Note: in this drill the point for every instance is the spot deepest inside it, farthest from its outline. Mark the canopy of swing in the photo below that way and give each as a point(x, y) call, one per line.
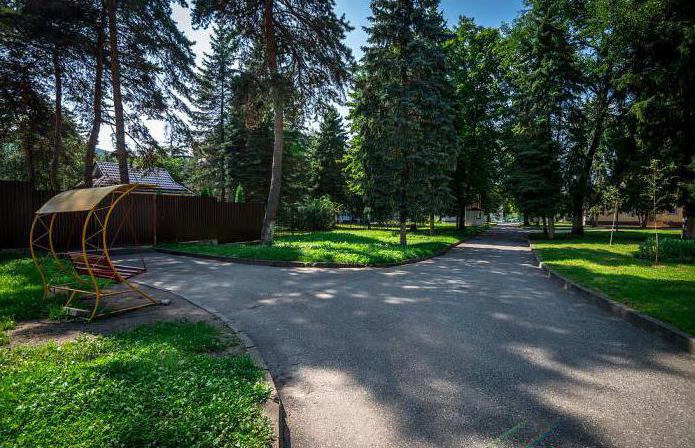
point(80, 200)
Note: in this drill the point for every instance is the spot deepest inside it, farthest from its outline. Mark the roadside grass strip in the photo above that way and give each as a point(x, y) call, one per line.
point(665, 291)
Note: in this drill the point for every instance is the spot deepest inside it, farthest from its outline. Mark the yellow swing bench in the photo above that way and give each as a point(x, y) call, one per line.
point(90, 269)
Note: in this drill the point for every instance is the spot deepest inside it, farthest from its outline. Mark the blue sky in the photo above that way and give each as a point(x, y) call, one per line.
point(485, 12)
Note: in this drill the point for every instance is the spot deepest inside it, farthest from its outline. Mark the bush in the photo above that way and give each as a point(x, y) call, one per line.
point(314, 214)
point(670, 249)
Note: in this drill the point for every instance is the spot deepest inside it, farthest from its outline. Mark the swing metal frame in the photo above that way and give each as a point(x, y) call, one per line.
point(87, 267)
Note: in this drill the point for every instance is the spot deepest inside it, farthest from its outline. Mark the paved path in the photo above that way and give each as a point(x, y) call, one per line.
point(472, 349)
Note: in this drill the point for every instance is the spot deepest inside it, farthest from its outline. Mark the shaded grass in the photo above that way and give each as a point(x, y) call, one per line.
point(362, 247)
point(157, 385)
point(21, 290)
point(666, 292)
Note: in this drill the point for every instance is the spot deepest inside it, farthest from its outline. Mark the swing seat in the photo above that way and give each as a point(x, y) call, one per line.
point(101, 267)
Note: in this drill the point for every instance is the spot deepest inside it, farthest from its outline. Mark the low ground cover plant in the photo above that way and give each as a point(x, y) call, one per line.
point(164, 385)
point(670, 249)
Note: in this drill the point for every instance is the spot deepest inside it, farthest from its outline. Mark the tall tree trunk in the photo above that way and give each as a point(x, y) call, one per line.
point(121, 153)
point(96, 118)
point(689, 223)
point(551, 227)
point(526, 221)
point(28, 150)
point(431, 224)
point(58, 126)
point(582, 185)
point(278, 125)
point(402, 218)
point(545, 225)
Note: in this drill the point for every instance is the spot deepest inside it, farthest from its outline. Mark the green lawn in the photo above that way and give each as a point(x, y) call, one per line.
point(666, 292)
point(363, 247)
point(161, 385)
point(21, 290)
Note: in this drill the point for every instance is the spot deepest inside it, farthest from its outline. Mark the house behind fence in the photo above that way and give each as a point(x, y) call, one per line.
point(154, 218)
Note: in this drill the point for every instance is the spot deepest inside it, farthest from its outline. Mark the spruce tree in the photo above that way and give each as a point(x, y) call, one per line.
point(544, 77)
point(215, 121)
point(328, 152)
point(403, 111)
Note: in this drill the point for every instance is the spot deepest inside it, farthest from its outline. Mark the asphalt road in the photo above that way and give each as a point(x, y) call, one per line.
point(473, 349)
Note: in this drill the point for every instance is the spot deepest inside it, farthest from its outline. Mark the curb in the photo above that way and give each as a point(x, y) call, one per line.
point(674, 336)
point(316, 264)
point(273, 407)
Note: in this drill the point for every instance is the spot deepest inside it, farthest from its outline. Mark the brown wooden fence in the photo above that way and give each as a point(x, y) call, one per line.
point(154, 218)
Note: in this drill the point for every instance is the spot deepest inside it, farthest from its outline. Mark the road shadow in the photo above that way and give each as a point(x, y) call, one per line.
point(476, 348)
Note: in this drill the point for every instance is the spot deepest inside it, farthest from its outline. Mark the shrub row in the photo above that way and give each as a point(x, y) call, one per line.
point(670, 249)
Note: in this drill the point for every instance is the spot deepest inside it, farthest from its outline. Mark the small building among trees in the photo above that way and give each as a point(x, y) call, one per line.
point(106, 173)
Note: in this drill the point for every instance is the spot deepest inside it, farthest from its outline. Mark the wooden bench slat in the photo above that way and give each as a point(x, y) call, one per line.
point(101, 268)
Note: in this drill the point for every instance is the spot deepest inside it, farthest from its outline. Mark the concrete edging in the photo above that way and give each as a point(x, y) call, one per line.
point(302, 264)
point(273, 407)
point(670, 334)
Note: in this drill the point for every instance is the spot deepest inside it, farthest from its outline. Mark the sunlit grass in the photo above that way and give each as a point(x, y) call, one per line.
point(362, 247)
point(159, 385)
point(666, 291)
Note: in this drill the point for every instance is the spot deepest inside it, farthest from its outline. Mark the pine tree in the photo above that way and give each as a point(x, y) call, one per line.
point(403, 111)
point(304, 58)
point(545, 80)
point(328, 151)
point(48, 40)
point(155, 65)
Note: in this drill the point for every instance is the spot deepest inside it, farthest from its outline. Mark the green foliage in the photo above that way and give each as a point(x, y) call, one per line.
point(5, 324)
point(328, 152)
point(403, 112)
point(21, 290)
point(657, 180)
point(544, 76)
point(476, 72)
point(664, 292)
point(156, 385)
point(239, 197)
point(362, 247)
point(658, 47)
point(670, 250)
point(316, 213)
point(215, 119)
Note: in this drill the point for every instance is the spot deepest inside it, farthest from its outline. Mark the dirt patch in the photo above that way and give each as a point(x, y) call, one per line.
point(178, 309)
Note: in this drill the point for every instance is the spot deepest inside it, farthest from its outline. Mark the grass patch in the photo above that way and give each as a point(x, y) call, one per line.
point(21, 290)
point(664, 292)
point(362, 247)
point(153, 386)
